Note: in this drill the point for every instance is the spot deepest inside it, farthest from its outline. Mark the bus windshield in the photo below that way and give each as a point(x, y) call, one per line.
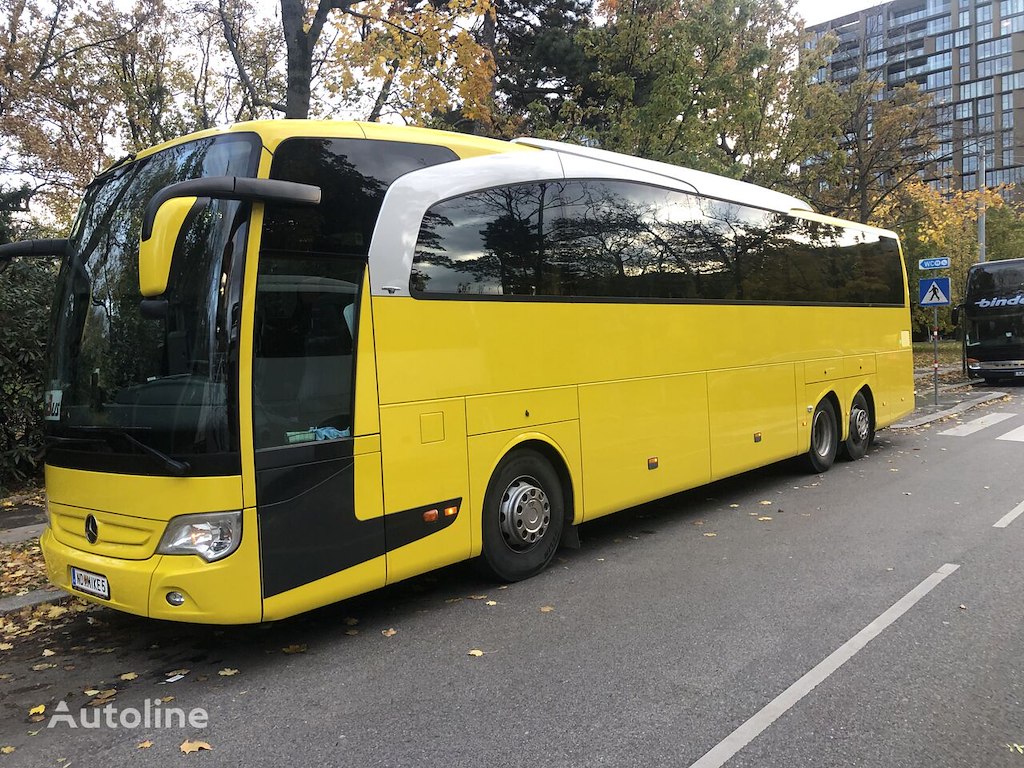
point(996, 330)
point(126, 386)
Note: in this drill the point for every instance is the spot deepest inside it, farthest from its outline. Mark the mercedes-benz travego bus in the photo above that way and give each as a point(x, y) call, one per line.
point(993, 313)
point(296, 361)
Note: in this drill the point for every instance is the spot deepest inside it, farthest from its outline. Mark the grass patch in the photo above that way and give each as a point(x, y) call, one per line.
point(949, 353)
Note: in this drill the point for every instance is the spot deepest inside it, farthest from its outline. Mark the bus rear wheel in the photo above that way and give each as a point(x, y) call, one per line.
point(824, 437)
point(523, 516)
point(861, 433)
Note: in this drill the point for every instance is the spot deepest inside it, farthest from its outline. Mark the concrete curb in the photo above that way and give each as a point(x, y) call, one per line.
point(33, 599)
point(21, 534)
point(918, 421)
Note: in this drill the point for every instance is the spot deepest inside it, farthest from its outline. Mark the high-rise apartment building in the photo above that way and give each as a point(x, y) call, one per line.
point(968, 55)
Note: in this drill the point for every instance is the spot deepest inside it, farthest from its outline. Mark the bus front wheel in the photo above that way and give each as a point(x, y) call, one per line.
point(824, 437)
point(523, 515)
point(861, 433)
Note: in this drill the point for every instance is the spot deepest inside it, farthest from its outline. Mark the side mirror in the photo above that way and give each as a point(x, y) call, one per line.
point(168, 210)
point(155, 252)
point(33, 248)
point(955, 315)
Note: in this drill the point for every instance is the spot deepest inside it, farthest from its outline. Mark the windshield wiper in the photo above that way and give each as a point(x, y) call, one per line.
point(175, 467)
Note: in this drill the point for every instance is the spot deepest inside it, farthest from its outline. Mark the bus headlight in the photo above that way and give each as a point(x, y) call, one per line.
point(211, 535)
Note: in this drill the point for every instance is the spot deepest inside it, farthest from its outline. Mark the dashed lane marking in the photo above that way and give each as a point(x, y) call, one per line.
point(1010, 516)
point(746, 733)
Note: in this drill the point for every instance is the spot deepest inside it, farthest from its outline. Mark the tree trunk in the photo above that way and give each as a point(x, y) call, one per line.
point(300, 58)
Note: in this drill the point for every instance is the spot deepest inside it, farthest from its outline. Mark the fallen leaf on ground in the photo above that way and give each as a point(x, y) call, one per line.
point(175, 672)
point(765, 503)
point(41, 667)
point(193, 746)
point(351, 632)
point(6, 646)
point(491, 602)
point(228, 672)
point(547, 608)
point(478, 597)
point(144, 744)
point(294, 648)
point(37, 710)
point(475, 652)
point(91, 692)
point(351, 622)
point(710, 535)
point(734, 506)
point(764, 517)
point(389, 632)
point(47, 652)
point(6, 750)
point(166, 699)
point(127, 676)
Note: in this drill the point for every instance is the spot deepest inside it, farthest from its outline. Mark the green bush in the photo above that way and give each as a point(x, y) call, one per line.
point(26, 293)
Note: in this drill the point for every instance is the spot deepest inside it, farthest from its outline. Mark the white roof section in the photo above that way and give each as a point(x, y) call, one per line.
point(823, 219)
point(705, 183)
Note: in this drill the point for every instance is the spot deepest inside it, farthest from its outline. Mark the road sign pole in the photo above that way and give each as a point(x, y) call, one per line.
point(935, 362)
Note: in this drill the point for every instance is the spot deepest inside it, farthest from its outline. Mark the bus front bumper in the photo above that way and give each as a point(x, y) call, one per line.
point(995, 369)
point(224, 592)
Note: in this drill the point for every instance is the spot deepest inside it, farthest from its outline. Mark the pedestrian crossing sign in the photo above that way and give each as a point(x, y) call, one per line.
point(933, 291)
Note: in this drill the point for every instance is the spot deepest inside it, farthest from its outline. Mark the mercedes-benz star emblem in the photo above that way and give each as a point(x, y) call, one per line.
point(92, 530)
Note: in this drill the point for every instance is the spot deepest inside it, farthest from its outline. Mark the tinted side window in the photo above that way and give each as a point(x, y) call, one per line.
point(353, 174)
point(490, 243)
point(311, 269)
point(623, 240)
point(626, 240)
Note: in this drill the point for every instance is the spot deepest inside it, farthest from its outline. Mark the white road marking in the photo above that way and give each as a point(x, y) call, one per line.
point(976, 425)
point(772, 711)
point(1010, 516)
point(1016, 435)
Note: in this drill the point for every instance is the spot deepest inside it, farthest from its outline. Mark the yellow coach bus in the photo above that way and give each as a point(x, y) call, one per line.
point(296, 361)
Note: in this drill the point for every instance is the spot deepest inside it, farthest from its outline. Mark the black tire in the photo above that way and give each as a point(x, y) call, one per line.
point(824, 437)
point(523, 516)
point(861, 429)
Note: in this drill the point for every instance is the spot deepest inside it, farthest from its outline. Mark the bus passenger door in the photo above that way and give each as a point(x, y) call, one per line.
point(318, 480)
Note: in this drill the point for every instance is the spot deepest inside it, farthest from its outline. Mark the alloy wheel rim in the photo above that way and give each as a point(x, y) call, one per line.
point(861, 424)
point(524, 514)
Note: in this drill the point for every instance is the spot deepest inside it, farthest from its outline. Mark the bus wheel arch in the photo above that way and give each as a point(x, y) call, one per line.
point(861, 425)
point(825, 434)
point(527, 506)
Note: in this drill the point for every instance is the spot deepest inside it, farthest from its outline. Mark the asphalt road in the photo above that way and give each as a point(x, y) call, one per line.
point(662, 643)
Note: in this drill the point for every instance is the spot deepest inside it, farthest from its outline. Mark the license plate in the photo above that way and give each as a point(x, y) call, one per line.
point(1018, 373)
point(90, 583)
